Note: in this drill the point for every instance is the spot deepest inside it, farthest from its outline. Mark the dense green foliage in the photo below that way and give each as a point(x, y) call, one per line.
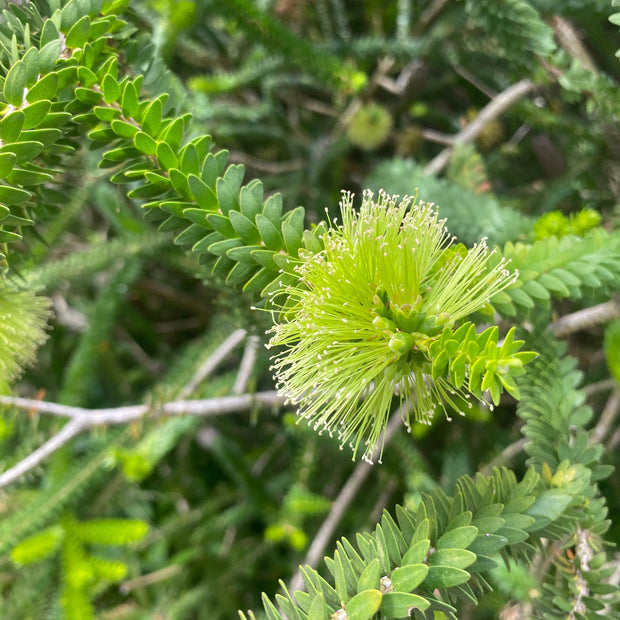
point(153, 247)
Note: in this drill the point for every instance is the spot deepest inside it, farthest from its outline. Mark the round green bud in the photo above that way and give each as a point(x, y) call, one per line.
point(400, 343)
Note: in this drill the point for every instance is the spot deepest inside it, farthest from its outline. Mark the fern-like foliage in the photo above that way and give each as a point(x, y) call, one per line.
point(433, 559)
point(565, 268)
point(471, 216)
point(513, 21)
point(560, 447)
point(189, 190)
point(437, 557)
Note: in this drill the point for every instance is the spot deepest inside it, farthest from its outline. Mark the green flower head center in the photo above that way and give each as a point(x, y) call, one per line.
point(359, 324)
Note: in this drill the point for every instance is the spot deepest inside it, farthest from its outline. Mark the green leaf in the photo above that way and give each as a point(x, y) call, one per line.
point(445, 577)
point(270, 609)
point(45, 136)
point(19, 176)
point(407, 578)
point(553, 284)
point(31, 64)
point(7, 161)
point(123, 128)
point(244, 227)
point(244, 254)
point(369, 579)
point(144, 143)
point(15, 83)
point(44, 89)
point(110, 531)
point(318, 609)
point(364, 606)
point(54, 119)
point(130, 103)
point(48, 54)
point(151, 119)
point(226, 196)
point(259, 281)
point(417, 552)
point(87, 96)
point(39, 546)
point(87, 77)
point(111, 89)
point(173, 135)
point(24, 151)
point(458, 558)
point(458, 538)
point(36, 113)
point(13, 195)
point(293, 240)
point(120, 154)
point(202, 193)
point(240, 274)
point(78, 33)
point(106, 114)
point(487, 544)
point(11, 126)
point(269, 233)
point(49, 33)
point(166, 157)
point(402, 604)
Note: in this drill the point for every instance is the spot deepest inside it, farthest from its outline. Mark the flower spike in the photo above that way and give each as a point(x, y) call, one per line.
point(359, 325)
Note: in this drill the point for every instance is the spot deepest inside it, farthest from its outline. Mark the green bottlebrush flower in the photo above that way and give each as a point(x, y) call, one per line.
point(23, 317)
point(359, 324)
point(370, 127)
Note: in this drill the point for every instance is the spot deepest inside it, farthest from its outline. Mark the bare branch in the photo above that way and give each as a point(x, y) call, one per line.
point(493, 109)
point(250, 353)
point(213, 361)
point(506, 455)
point(588, 317)
point(608, 416)
point(57, 441)
point(85, 419)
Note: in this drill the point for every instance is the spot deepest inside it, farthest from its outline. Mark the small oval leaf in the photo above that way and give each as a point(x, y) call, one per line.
point(400, 604)
point(458, 538)
point(364, 606)
point(369, 579)
point(407, 578)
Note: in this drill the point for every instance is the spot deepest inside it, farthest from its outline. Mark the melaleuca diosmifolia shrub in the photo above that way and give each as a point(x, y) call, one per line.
point(381, 307)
